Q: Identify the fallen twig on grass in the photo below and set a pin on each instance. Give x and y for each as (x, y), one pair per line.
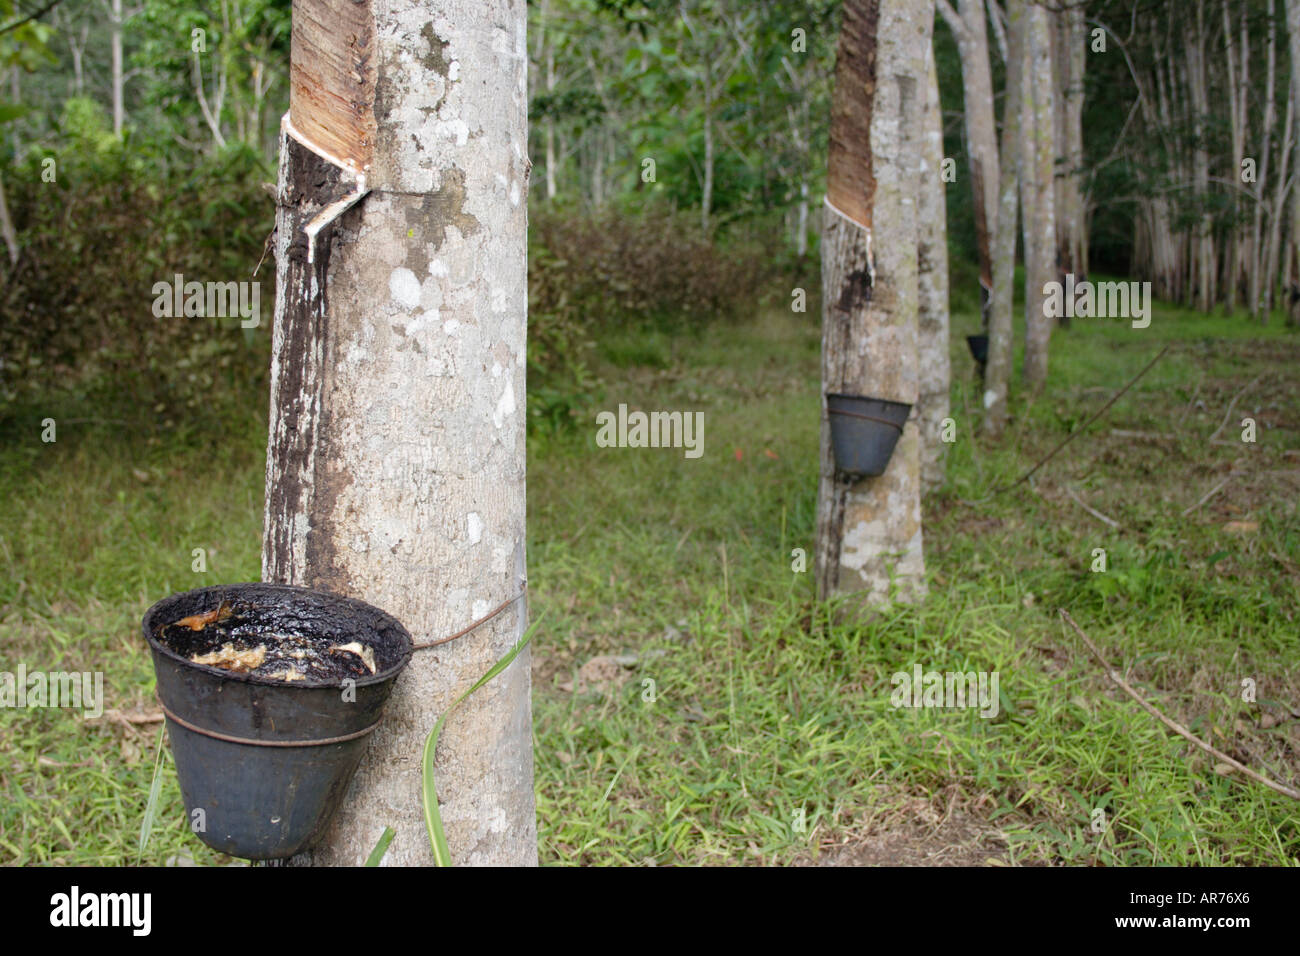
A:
(1092, 511)
(1191, 402)
(1173, 725)
(1207, 496)
(134, 717)
(1084, 427)
(1148, 436)
(1233, 404)
(133, 722)
(44, 761)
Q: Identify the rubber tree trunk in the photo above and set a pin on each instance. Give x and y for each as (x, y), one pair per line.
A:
(968, 24)
(932, 285)
(7, 232)
(395, 467)
(869, 531)
(1293, 290)
(1038, 186)
(997, 375)
(118, 80)
(1070, 60)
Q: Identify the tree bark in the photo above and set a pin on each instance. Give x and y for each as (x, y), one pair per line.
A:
(552, 174)
(968, 26)
(1070, 57)
(1293, 298)
(706, 197)
(1039, 188)
(7, 232)
(119, 107)
(997, 375)
(1202, 260)
(934, 374)
(869, 530)
(1257, 243)
(395, 466)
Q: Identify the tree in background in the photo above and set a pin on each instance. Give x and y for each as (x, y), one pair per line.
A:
(1069, 57)
(933, 362)
(1293, 254)
(1038, 190)
(967, 26)
(997, 376)
(23, 47)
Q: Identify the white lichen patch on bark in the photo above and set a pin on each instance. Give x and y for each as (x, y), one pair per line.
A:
(405, 287)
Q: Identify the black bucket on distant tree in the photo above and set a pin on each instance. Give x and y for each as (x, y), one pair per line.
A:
(265, 759)
(864, 432)
(979, 348)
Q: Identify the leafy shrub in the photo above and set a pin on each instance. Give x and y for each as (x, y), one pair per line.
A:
(648, 273)
(76, 311)
(652, 268)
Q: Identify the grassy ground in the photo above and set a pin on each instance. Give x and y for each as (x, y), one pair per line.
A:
(693, 702)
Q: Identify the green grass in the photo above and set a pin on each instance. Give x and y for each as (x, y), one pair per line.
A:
(747, 702)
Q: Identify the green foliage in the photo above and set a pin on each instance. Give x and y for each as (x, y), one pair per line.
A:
(241, 65)
(87, 133)
(652, 80)
(93, 244)
(653, 269)
(589, 274)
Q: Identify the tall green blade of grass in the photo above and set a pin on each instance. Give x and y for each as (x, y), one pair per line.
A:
(432, 818)
(151, 808)
(377, 854)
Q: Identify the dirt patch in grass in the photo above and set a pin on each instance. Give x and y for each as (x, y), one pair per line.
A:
(916, 833)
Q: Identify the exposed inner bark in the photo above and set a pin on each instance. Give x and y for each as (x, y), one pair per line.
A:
(332, 77)
(850, 181)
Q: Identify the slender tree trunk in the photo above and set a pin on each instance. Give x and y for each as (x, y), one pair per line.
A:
(1203, 245)
(119, 108)
(552, 173)
(1236, 80)
(1038, 183)
(211, 111)
(77, 48)
(395, 466)
(869, 530)
(1293, 270)
(7, 232)
(1258, 244)
(1074, 216)
(932, 284)
(997, 375)
(706, 199)
(968, 26)
(16, 97)
(801, 239)
(1276, 214)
